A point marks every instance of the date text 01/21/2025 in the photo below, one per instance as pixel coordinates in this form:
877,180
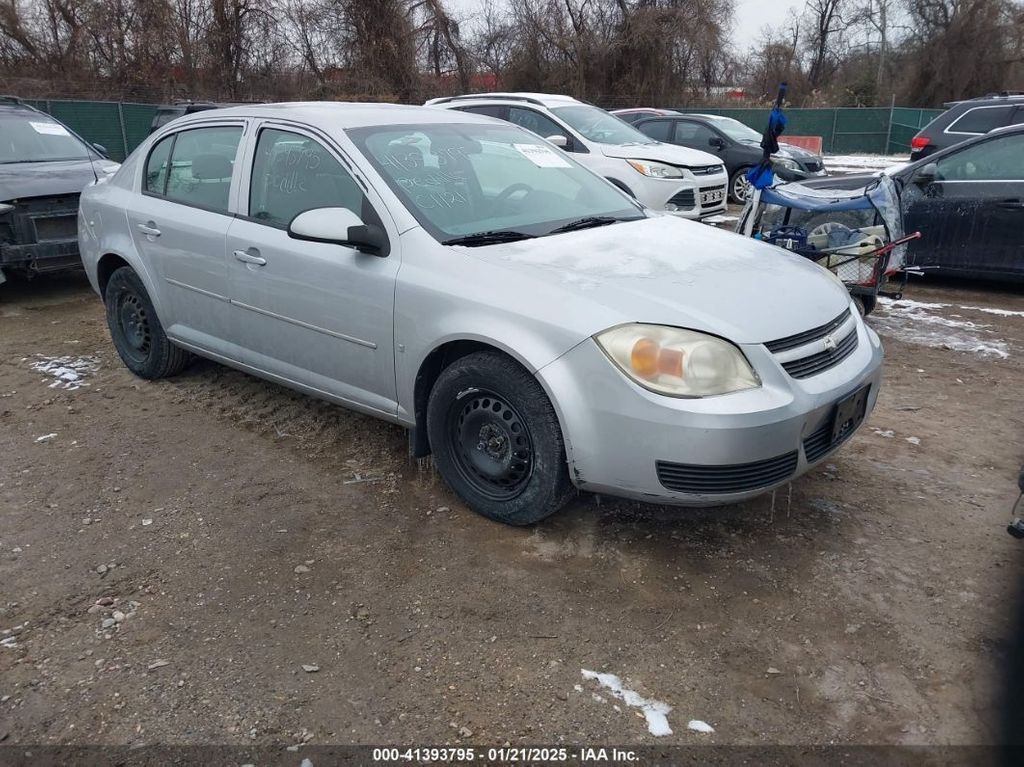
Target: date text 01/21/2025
509,754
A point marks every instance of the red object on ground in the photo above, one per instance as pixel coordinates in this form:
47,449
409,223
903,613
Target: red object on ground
810,143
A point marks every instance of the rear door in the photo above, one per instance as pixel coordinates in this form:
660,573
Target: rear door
971,217
179,223
318,314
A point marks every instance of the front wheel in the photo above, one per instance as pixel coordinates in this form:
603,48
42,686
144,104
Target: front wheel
496,439
136,331
739,187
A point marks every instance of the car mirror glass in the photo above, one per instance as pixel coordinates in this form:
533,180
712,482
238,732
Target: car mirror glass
339,226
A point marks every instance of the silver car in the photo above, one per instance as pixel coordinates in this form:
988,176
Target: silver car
533,327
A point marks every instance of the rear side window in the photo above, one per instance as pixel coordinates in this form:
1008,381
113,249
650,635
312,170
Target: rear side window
293,173
981,120
657,129
200,167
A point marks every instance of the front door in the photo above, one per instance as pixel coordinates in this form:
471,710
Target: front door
972,215
317,314
180,222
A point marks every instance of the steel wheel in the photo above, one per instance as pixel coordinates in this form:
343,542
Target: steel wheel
133,320
491,445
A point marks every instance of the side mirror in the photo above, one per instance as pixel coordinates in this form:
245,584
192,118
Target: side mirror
339,226
101,149
717,142
926,174
558,140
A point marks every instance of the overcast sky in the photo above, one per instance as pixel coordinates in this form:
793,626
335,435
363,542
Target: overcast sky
751,16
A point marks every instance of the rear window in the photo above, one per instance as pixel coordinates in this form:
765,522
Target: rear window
981,120
34,137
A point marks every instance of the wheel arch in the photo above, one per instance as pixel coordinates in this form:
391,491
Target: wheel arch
621,185
111,261
440,357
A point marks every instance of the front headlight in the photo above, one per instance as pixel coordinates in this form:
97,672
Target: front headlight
785,162
677,362
655,169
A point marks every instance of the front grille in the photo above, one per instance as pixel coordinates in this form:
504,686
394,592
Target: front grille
814,334
683,199
709,170
805,367
721,480
56,227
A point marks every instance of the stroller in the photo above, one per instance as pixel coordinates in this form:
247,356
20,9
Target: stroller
857,234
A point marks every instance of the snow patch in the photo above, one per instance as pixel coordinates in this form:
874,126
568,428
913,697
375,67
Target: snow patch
997,312
67,372
920,323
654,710
698,726
46,437
859,163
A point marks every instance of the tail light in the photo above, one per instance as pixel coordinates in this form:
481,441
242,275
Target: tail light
919,142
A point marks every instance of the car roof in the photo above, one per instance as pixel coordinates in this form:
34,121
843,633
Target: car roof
540,99
992,98
336,113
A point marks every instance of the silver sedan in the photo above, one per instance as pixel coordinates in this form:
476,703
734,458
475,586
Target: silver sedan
533,327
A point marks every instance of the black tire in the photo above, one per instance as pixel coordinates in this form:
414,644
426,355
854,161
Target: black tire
136,330
496,439
865,304
734,180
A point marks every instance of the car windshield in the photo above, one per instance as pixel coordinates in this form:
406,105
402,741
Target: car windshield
462,179
35,137
736,130
600,126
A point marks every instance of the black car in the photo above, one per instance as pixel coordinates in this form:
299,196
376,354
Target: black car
966,119
43,168
968,203
737,144
167,112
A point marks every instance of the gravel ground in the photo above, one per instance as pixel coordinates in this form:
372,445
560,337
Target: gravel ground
215,559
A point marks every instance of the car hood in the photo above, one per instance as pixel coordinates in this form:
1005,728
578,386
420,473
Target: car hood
660,152
669,271
44,179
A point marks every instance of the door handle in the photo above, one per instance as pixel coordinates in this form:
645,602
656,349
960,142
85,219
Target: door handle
1012,204
251,256
149,228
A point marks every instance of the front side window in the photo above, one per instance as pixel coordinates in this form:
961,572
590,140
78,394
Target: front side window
600,126
293,173
981,120
693,134
535,122
463,178
27,136
199,169
1001,159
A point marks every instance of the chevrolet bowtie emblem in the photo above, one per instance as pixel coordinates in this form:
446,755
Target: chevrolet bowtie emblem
830,343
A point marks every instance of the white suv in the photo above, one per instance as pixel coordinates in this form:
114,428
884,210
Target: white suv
684,182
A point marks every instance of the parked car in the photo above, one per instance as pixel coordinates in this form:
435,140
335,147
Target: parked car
167,112
43,167
533,327
684,182
638,113
968,203
736,144
966,119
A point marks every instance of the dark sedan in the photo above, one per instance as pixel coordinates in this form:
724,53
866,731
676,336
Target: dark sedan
968,203
737,144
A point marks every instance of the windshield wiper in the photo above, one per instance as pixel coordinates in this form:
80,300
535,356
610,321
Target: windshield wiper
586,223
488,238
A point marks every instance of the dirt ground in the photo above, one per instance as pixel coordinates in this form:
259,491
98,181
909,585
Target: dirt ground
235,532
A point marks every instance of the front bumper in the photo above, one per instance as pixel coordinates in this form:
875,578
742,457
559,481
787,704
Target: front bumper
685,198
617,433
40,257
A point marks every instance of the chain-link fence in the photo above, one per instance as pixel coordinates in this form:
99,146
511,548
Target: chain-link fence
121,126
881,130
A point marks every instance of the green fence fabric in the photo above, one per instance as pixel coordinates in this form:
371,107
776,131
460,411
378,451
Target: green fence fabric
844,130
120,127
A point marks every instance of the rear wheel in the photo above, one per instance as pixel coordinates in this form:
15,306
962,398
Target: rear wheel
136,331
496,439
